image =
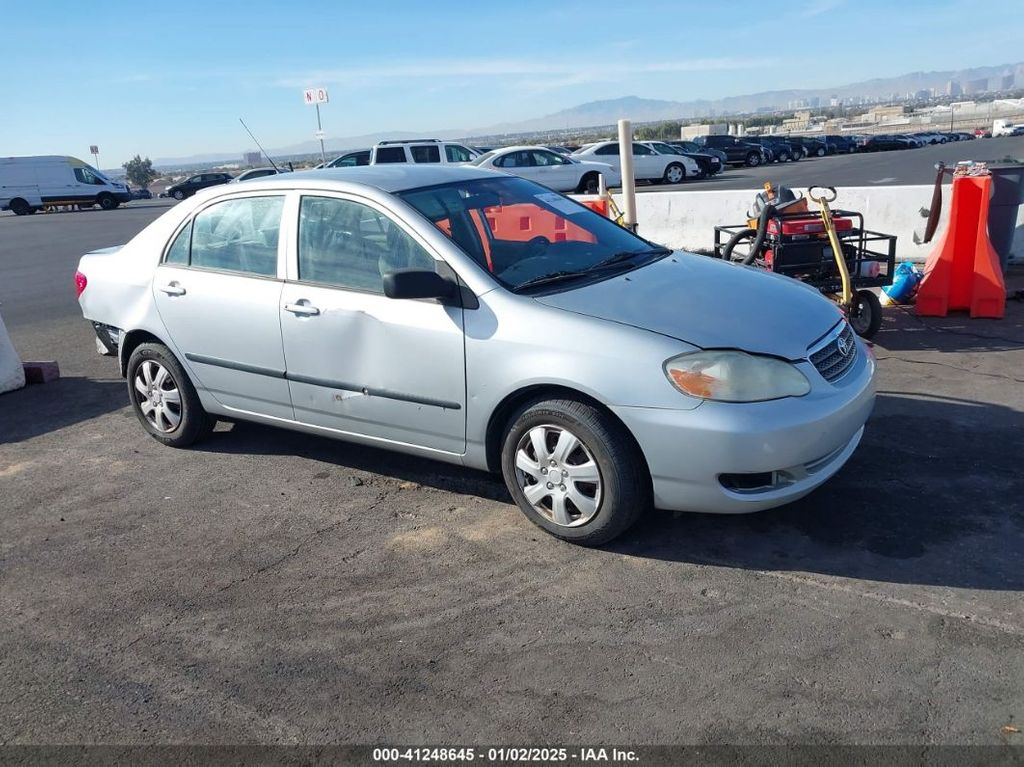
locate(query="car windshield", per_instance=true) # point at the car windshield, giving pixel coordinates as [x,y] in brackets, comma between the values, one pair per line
[483,158]
[529,237]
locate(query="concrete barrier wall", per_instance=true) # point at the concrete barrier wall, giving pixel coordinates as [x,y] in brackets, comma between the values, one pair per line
[687,220]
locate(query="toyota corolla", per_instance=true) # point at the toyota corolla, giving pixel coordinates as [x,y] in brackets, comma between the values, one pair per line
[484,320]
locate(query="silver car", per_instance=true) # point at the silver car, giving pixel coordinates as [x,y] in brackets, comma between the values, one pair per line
[481,319]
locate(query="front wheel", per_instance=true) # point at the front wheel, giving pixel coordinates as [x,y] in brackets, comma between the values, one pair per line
[107,202]
[866,315]
[588,184]
[753,160]
[674,173]
[574,471]
[164,399]
[178,195]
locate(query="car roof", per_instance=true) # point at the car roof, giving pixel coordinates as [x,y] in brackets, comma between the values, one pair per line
[396,177]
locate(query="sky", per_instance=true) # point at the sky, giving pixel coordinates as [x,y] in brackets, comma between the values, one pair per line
[171,79]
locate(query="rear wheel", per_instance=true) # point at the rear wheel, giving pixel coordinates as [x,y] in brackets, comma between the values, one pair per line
[674,173]
[574,471]
[784,157]
[20,207]
[866,315]
[753,160]
[164,399]
[820,151]
[588,184]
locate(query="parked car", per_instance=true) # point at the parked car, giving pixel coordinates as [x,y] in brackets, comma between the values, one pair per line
[884,143]
[691,148]
[193,184]
[840,144]
[350,159]
[553,170]
[429,150]
[779,150]
[487,322]
[648,165]
[693,168]
[809,146]
[141,194]
[736,152]
[255,173]
[29,183]
[706,165]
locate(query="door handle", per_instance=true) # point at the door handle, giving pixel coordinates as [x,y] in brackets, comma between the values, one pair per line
[302,309]
[173,289]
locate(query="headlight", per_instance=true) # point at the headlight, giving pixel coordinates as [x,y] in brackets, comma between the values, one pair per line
[729,376]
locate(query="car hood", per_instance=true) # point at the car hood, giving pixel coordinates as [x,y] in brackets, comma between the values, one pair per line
[709,303]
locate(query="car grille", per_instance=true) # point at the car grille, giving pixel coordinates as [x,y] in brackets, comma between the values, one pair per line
[834,359]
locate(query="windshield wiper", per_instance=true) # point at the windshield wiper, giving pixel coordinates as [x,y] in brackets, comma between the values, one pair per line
[546,279]
[626,255]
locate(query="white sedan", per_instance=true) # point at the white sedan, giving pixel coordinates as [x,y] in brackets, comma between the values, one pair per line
[553,170]
[648,165]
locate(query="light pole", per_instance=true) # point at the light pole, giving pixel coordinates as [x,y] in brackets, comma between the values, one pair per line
[952,106]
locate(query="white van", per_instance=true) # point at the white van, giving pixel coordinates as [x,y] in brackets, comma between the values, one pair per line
[29,183]
[424,150]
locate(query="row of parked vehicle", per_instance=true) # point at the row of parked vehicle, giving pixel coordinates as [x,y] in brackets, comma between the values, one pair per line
[572,168]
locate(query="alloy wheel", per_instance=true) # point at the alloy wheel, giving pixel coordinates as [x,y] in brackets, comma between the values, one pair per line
[159,399]
[558,475]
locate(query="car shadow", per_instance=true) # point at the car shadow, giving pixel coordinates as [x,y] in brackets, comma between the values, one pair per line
[248,438]
[41,409]
[932,496]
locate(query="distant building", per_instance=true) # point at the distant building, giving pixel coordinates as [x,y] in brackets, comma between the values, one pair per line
[835,101]
[976,86]
[1003,83]
[923,95]
[251,158]
[703,129]
[953,88]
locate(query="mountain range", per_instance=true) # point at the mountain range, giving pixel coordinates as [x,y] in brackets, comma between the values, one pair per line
[640,110]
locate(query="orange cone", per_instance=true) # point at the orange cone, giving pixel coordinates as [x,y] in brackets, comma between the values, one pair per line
[963,272]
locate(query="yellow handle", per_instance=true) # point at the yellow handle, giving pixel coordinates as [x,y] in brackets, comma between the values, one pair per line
[833,239]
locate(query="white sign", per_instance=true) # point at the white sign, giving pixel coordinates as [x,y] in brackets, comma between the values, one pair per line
[315,96]
[320,134]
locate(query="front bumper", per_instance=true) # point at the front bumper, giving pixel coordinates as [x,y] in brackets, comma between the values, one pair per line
[123,196]
[795,444]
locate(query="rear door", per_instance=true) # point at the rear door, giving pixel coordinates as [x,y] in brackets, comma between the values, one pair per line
[217,290]
[358,362]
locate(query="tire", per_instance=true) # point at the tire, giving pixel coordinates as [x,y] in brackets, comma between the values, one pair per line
[866,316]
[20,207]
[784,157]
[178,195]
[674,173]
[153,373]
[604,450]
[753,160]
[588,184]
[106,201]
[820,152]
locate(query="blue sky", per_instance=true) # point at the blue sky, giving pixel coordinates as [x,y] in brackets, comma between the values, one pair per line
[171,79]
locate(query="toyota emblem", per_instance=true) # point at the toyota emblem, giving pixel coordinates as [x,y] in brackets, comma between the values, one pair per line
[842,346]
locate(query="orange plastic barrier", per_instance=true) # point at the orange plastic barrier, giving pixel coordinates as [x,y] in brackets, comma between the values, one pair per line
[598,205]
[963,272]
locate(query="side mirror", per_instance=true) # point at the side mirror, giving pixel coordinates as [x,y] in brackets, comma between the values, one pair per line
[417,283]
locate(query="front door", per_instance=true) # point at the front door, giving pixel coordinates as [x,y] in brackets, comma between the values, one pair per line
[357,361]
[217,291]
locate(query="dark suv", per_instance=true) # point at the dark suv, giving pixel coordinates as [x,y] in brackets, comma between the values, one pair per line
[736,152]
[781,151]
[190,186]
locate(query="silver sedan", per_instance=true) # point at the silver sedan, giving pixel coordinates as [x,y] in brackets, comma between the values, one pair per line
[481,319]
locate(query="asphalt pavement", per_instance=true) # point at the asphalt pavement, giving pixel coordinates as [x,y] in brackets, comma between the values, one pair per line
[272,587]
[908,166]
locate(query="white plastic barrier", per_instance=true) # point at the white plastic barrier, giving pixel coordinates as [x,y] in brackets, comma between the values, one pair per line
[12,374]
[687,220]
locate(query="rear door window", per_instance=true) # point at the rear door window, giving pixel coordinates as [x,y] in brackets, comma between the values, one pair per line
[425,153]
[238,235]
[391,154]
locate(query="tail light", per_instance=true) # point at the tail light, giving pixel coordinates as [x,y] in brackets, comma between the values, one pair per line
[80,283]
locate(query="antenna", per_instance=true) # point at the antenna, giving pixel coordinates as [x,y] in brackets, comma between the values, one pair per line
[258,144]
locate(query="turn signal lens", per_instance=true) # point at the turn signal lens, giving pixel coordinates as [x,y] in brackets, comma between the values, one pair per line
[80,283]
[732,376]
